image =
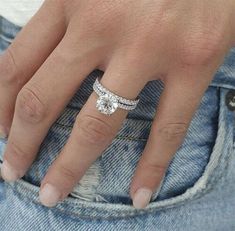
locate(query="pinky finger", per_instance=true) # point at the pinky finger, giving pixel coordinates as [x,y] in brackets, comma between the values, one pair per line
[177,106]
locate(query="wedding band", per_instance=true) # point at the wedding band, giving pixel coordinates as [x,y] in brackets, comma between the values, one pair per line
[108,102]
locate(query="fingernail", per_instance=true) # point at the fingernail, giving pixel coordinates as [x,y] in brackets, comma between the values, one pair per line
[8,172]
[142,198]
[49,195]
[3,133]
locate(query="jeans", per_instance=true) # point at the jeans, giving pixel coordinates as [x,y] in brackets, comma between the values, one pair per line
[197,192]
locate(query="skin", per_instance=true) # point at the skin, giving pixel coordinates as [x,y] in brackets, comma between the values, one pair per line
[180,42]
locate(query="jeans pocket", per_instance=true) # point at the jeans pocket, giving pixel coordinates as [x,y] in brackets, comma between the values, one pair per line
[195,170]
[202,159]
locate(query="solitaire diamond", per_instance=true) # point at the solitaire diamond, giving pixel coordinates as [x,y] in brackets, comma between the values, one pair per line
[107,104]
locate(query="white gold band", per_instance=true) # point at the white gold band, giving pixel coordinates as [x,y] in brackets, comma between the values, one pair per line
[108,102]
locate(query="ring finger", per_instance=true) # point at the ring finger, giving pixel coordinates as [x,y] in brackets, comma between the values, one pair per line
[91,134]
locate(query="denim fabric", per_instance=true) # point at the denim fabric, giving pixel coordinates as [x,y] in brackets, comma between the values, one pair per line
[197,193]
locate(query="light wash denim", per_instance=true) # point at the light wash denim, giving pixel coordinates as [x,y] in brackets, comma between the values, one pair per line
[198,191]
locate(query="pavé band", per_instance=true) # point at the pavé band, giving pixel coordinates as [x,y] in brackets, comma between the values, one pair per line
[108,102]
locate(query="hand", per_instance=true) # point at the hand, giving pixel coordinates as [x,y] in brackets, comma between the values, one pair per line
[180,42]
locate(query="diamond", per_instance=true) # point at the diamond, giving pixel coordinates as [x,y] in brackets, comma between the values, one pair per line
[107,104]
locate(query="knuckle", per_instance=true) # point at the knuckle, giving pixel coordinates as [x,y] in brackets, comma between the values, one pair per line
[158,169]
[17,154]
[155,168]
[9,71]
[173,133]
[65,55]
[201,49]
[95,131]
[63,3]
[29,106]
[69,174]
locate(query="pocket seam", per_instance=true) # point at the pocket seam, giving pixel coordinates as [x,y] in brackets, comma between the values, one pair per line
[5,39]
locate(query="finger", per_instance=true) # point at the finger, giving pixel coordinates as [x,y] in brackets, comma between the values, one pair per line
[178,103]
[25,55]
[91,134]
[39,104]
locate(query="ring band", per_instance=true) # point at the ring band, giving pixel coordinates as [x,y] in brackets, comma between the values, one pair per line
[108,102]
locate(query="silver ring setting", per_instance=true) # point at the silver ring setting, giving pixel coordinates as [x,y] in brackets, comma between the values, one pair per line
[108,102]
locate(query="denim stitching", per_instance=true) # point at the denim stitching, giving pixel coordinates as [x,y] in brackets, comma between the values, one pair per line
[121,215]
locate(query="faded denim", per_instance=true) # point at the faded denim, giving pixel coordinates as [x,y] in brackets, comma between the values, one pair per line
[197,193]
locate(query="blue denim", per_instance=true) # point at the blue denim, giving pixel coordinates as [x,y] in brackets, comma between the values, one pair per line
[197,192]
